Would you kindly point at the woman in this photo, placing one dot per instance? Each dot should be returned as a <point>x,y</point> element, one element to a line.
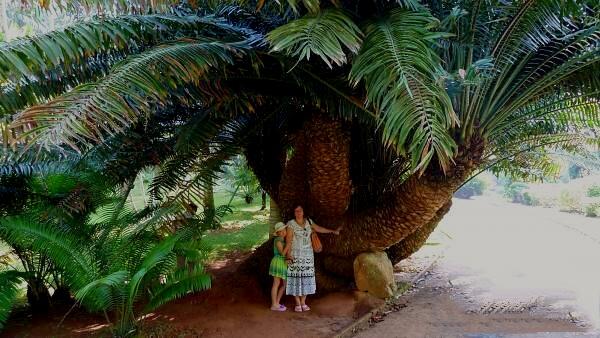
<point>301,267</point>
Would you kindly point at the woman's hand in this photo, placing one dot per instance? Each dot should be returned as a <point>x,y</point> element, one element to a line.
<point>322,230</point>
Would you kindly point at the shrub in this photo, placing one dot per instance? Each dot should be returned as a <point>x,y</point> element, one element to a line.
<point>475,187</point>
<point>514,191</point>
<point>529,199</point>
<point>591,210</point>
<point>594,191</point>
<point>547,201</point>
<point>569,202</point>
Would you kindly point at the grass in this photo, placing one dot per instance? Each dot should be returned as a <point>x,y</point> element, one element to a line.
<point>219,244</point>
<point>244,229</point>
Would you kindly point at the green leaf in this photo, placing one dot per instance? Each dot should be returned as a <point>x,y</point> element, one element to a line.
<point>323,34</point>
<point>399,67</point>
<point>91,111</point>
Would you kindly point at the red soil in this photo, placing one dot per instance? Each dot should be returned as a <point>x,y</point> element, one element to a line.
<point>234,307</point>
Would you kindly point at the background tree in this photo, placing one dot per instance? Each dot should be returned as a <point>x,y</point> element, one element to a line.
<point>241,180</point>
<point>369,114</point>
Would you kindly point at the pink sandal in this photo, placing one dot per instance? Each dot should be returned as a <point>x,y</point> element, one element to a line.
<point>298,308</point>
<point>279,308</point>
<point>305,308</point>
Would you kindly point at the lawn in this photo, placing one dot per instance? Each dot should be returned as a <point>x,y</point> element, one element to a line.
<point>242,230</point>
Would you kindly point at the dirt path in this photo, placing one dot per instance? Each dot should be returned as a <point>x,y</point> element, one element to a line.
<point>234,307</point>
<point>507,270</point>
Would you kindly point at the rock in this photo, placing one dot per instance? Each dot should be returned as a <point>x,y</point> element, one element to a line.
<point>374,273</point>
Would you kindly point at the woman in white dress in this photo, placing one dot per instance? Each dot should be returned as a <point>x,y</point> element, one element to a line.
<point>301,269</point>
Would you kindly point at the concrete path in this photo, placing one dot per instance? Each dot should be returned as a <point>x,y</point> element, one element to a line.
<point>507,271</point>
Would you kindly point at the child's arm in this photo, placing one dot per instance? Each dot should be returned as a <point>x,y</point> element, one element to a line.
<point>280,247</point>
<point>286,249</point>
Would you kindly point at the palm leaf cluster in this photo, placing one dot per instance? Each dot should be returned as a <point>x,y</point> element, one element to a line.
<point>108,255</point>
<point>183,89</point>
<point>431,76</point>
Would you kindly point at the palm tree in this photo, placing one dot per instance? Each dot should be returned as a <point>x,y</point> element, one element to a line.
<point>370,114</point>
<point>240,178</point>
<point>107,255</point>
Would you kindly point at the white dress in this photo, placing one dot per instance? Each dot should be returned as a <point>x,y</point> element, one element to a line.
<point>301,273</point>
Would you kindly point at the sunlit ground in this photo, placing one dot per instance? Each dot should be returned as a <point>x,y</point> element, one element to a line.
<point>501,251</point>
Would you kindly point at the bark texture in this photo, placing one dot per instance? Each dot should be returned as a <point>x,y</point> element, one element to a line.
<point>274,216</point>
<point>417,239</point>
<point>414,204</point>
<point>293,189</point>
<point>327,172</point>
<point>208,200</point>
<point>316,174</point>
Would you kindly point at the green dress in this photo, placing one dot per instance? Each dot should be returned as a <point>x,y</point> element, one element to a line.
<point>278,266</point>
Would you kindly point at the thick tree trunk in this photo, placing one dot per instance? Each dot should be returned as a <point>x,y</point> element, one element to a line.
<point>38,296</point>
<point>414,204</point>
<point>293,189</point>
<point>316,175</point>
<point>263,198</point>
<point>417,239</point>
<point>208,200</point>
<point>328,170</point>
<point>274,216</point>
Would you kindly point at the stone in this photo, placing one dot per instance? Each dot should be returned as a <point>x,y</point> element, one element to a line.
<point>374,273</point>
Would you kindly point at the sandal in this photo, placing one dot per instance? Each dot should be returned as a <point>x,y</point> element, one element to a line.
<point>305,308</point>
<point>282,307</point>
<point>278,308</point>
<point>298,308</point>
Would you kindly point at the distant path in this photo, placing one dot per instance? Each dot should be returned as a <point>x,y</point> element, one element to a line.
<point>508,271</point>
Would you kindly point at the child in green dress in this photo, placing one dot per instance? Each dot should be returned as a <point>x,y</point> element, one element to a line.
<point>278,267</point>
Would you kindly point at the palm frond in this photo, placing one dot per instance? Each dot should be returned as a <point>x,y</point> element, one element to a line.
<point>53,63</point>
<point>399,68</point>
<point>102,6</point>
<point>9,290</point>
<point>189,175</point>
<point>159,253</point>
<point>60,246</point>
<point>530,166</point>
<point>533,50</point>
<point>530,157</point>
<point>179,284</point>
<point>557,112</point>
<point>66,48</point>
<point>550,83</point>
<point>91,111</point>
<point>96,295</point>
<point>323,34</point>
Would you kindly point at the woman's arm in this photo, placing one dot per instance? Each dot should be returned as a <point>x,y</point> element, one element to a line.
<point>322,230</point>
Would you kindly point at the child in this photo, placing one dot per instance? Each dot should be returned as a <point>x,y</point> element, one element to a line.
<point>278,268</point>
